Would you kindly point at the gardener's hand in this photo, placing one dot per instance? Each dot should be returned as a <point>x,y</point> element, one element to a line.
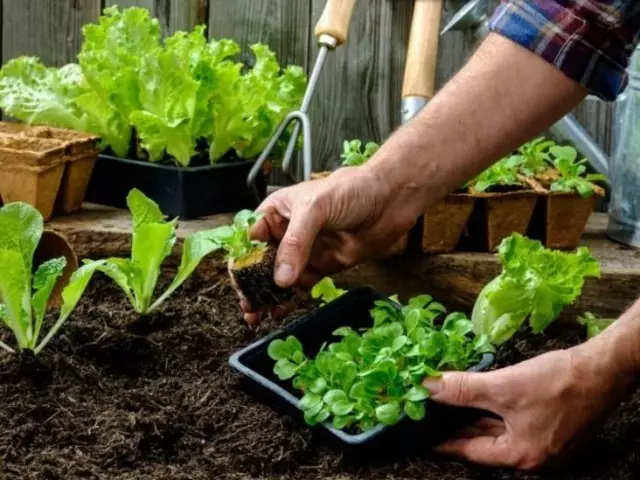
<point>545,403</point>
<point>326,225</point>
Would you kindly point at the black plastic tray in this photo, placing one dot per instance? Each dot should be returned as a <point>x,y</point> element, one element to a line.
<point>185,192</point>
<point>352,309</point>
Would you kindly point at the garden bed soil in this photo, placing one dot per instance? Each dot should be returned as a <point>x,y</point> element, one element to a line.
<point>116,397</point>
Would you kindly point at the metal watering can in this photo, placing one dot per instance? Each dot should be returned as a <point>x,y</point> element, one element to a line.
<point>624,208</point>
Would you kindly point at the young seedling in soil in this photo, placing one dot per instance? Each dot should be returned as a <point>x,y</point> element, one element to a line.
<point>326,291</point>
<point>353,155</point>
<point>536,283</point>
<point>504,175</point>
<point>372,376</point>
<point>152,241</point>
<point>251,263</point>
<point>534,156</point>
<point>594,325</point>
<point>25,295</point>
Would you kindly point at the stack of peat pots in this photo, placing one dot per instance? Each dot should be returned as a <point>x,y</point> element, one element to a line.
<point>48,168</point>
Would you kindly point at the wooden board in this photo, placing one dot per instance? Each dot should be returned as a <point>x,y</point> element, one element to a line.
<point>455,279</point>
<point>51,30</point>
<point>173,14</point>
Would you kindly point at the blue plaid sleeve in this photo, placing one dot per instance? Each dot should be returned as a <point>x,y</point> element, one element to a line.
<point>589,41</point>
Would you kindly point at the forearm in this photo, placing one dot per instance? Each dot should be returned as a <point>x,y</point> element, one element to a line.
<point>504,96</point>
<point>617,349</point>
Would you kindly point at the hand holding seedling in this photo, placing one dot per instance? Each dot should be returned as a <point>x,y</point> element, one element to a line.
<point>326,225</point>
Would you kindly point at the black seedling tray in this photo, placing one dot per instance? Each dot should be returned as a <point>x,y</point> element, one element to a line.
<point>352,309</point>
<point>185,192</point>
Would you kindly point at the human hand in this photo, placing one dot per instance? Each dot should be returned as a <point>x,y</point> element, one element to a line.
<point>329,224</point>
<point>546,404</point>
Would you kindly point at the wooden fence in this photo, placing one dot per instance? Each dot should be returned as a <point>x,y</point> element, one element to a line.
<point>359,92</point>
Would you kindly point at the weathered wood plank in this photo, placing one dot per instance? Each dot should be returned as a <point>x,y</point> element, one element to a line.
<point>358,95</point>
<point>282,24</point>
<point>49,30</point>
<point>173,14</point>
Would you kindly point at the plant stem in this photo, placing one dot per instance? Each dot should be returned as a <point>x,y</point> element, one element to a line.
<point>7,347</point>
<point>50,334</point>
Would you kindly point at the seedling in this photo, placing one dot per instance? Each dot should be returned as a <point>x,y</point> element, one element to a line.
<point>152,241</point>
<point>536,283</point>
<point>251,263</point>
<point>326,291</point>
<point>594,325</point>
<point>372,376</point>
<point>503,173</point>
<point>353,155</point>
<point>24,294</point>
<point>573,176</point>
<point>534,156</point>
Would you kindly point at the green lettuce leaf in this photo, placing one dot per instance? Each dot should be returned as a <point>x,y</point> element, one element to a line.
<point>35,94</point>
<point>44,281</point>
<point>535,284</point>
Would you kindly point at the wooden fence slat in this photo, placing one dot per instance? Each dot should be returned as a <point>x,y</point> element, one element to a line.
<point>173,14</point>
<point>358,93</point>
<point>48,29</point>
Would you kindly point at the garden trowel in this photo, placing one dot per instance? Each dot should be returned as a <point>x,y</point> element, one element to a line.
<point>54,245</point>
<point>331,31</point>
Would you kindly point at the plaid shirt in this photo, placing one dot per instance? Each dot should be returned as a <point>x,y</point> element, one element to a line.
<point>590,41</point>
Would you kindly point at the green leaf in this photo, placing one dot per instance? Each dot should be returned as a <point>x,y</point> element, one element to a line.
<point>342,407</point>
<point>326,291</point>
<point>284,369</point>
<point>417,394</point>
<point>341,422</point>
<point>334,396</point>
<point>310,401</point>
<point>343,332</point>
<point>415,410</point>
<point>143,209</point>
<point>278,350</point>
<point>71,295</point>
<point>399,343</point>
<point>388,414</point>
<point>44,281</point>
<point>318,386</point>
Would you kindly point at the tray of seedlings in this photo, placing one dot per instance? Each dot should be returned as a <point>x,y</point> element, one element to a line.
<point>189,148</point>
<point>353,369</point>
<point>48,168</point>
<point>543,190</point>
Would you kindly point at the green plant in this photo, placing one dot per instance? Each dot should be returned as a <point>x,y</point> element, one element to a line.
<point>152,241</point>
<point>24,294</point>
<point>234,239</point>
<point>594,325</point>
<point>502,173</point>
<point>535,284</point>
<point>572,172</point>
<point>373,375</point>
<point>534,156</point>
<point>181,95</point>
<point>326,291</point>
<point>353,154</point>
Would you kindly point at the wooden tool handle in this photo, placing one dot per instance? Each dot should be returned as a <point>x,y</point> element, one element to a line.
<point>335,20</point>
<point>422,53</point>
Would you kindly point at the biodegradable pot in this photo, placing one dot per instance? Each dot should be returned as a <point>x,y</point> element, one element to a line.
<point>253,276</point>
<point>313,330</point>
<point>54,245</point>
<point>496,216</point>
<point>560,218</point>
<point>185,192</point>
<point>444,223</point>
<point>31,171</point>
<point>75,182</point>
<point>400,247</point>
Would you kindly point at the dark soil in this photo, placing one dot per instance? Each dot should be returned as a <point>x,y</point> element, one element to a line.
<point>114,397</point>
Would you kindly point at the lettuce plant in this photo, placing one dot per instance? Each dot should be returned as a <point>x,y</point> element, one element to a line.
<point>534,156</point>
<point>24,294</point>
<point>353,154</point>
<point>326,291</point>
<point>234,239</point>
<point>536,283</point>
<point>501,174</point>
<point>152,241</point>
<point>573,176</point>
<point>374,375</point>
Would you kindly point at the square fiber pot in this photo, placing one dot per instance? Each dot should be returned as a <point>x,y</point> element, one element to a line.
<point>351,309</point>
<point>560,218</point>
<point>444,223</point>
<point>498,215</point>
<point>185,192</point>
